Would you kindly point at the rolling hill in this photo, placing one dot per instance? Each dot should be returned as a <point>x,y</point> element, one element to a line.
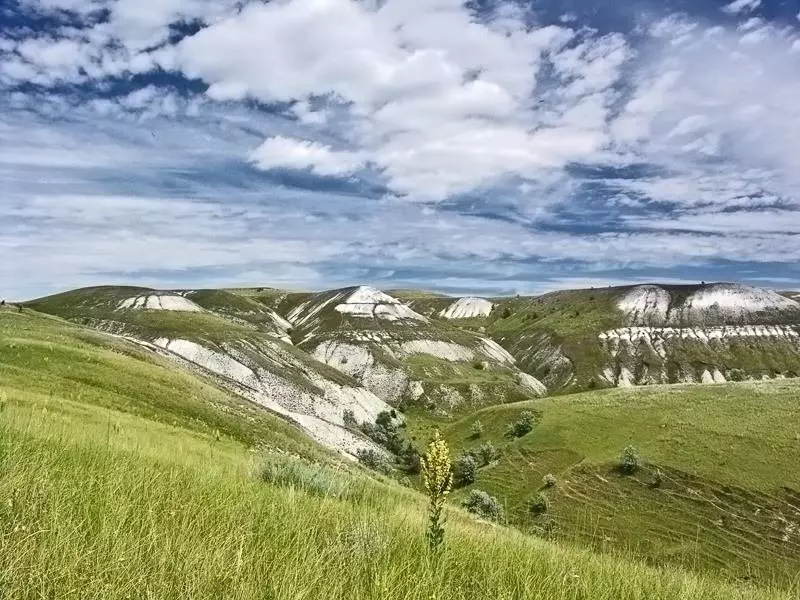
<point>123,474</point>
<point>716,488</point>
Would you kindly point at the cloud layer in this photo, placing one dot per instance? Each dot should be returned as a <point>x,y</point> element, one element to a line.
<point>319,142</point>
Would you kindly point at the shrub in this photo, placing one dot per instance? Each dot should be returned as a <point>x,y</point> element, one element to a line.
<point>476,430</point>
<point>372,459</point>
<point>737,375</point>
<point>629,461</point>
<point>522,426</point>
<point>539,504</point>
<point>658,479</point>
<point>506,313</point>
<point>549,480</point>
<point>486,453</point>
<point>465,470</point>
<point>437,479</point>
<point>483,505</point>
<point>388,433</point>
<point>298,474</point>
<point>349,418</point>
<point>478,366</point>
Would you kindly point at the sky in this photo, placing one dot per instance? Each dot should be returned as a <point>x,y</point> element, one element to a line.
<point>486,147</point>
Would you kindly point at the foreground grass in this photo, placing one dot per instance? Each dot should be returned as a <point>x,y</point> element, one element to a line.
<point>728,497</point>
<point>87,515</point>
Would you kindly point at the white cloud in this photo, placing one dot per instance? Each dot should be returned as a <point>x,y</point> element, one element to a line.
<point>437,101</point>
<point>282,152</point>
<point>741,6</point>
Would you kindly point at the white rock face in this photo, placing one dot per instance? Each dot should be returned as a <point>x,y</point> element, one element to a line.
<point>368,302</point>
<point>159,302</point>
<point>465,308</point>
<point>358,362</point>
<point>645,304</point>
<point>439,349</point>
<point>532,384</point>
<point>626,343</point>
<point>719,303</point>
<point>735,301</point>
<point>652,335</point>
<point>496,352</point>
<point>320,414</point>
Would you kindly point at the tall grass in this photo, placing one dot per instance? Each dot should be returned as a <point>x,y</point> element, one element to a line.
<point>84,516</point>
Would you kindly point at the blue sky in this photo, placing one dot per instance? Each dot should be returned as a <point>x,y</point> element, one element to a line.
<point>486,147</point>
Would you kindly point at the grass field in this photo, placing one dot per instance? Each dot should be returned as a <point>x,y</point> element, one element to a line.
<point>728,455</point>
<point>123,477</point>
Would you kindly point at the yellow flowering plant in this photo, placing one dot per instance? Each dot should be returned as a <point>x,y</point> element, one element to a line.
<point>437,478</point>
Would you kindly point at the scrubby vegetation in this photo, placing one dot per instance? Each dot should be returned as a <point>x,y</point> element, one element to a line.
<point>483,505</point>
<point>521,426</point>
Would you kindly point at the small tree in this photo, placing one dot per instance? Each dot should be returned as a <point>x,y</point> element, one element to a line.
<point>476,430</point>
<point>482,504</point>
<point>349,418</point>
<point>486,453</point>
<point>522,426</point>
<point>438,480</point>
<point>465,470</point>
<point>372,459</point>
<point>549,480</point>
<point>539,504</point>
<point>629,461</point>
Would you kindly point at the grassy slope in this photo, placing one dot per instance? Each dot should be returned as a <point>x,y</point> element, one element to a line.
<point>45,359</point>
<point>729,454</point>
<point>495,384</point>
<point>106,494</point>
<point>95,307</point>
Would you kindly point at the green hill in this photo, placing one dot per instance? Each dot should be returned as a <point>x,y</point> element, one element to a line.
<point>233,376</point>
<point>123,476</point>
<point>718,487</point>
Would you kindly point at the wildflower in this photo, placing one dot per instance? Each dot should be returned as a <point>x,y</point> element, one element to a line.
<point>438,481</point>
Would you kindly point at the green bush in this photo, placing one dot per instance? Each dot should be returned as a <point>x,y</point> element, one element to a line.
<point>737,375</point>
<point>486,453</point>
<point>549,480</point>
<point>388,432</point>
<point>483,505</point>
<point>465,469</point>
<point>522,426</point>
<point>629,460</point>
<point>372,459</point>
<point>539,504</point>
<point>349,418</point>
<point>476,430</point>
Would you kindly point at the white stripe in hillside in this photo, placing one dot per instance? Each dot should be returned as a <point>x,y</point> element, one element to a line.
<point>465,308</point>
<point>368,302</point>
<point>159,302</point>
<point>321,415</point>
<point>439,349</point>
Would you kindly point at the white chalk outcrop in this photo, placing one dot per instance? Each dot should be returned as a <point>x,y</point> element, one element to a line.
<point>466,308</point>
<point>320,414</point>
<point>638,347</point>
<point>645,304</point>
<point>437,348</point>
<point>369,302</point>
<point>358,361</point>
<point>159,302</point>
<point>714,304</point>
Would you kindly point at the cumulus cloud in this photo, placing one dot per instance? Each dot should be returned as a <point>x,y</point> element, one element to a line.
<point>282,152</point>
<point>438,100</point>
<point>495,133</point>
